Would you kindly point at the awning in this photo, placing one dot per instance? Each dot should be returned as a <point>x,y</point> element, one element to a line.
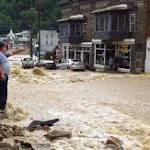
<point>129,41</point>
<point>110,8</point>
<point>95,41</point>
<point>74,17</point>
<point>86,44</point>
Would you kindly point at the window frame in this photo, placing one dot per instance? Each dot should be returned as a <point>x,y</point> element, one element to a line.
<point>98,27</point>
<point>64,29</point>
<point>132,22</point>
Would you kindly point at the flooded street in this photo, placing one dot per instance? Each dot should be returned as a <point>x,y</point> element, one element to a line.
<point>127,95</point>
<point>92,105</point>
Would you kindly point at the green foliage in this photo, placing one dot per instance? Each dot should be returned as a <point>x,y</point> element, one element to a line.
<point>24,14</point>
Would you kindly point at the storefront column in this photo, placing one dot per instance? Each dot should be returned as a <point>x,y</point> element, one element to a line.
<point>75,54</point>
<point>82,56</point>
<point>104,55</point>
<point>67,53</point>
<point>94,45</point>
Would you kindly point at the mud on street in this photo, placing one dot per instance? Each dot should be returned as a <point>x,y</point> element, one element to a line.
<point>93,106</point>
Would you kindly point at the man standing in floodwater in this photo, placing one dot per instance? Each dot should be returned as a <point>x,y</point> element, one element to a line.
<point>4,74</point>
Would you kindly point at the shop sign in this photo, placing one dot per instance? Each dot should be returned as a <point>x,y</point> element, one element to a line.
<point>124,48</point>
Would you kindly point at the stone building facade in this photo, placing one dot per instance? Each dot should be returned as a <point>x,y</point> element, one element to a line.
<point>147,57</point>
<point>102,30</point>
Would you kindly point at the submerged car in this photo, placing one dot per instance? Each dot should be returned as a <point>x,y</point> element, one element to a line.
<point>71,64</point>
<point>27,62</point>
<point>48,64</point>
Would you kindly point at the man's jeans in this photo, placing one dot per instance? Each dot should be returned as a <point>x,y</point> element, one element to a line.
<point>3,92</point>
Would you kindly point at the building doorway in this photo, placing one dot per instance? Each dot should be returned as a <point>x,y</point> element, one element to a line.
<point>86,58</point>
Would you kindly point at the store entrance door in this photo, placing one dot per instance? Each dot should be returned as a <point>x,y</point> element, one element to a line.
<point>86,58</point>
<point>111,51</point>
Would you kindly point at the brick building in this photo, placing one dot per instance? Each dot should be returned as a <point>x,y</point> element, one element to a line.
<point>147,60</point>
<point>97,30</point>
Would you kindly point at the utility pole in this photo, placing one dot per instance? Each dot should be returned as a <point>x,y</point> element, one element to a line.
<point>31,37</point>
<point>39,27</point>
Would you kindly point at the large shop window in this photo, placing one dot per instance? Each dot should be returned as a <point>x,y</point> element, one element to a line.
<point>100,54</point>
<point>86,58</point>
<point>65,55</point>
<point>71,54</point>
<point>125,56</point>
<point>78,56</point>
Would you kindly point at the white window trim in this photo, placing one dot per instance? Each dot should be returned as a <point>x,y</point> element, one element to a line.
<point>132,22</point>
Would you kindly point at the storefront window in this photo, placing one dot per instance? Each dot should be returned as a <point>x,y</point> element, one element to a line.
<point>97,45</point>
<point>100,57</point>
<point>120,53</point>
<point>86,57</point>
<point>124,56</point>
<point>65,55</point>
<point>124,60</point>
<point>78,55</point>
<point>71,54</point>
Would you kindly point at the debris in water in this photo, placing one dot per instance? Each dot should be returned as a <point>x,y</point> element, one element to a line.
<point>24,145</point>
<point>8,131</point>
<point>7,146</point>
<point>57,134</point>
<point>115,143</point>
<point>36,123</point>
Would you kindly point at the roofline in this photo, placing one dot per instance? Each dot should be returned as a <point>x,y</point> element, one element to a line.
<point>111,8</point>
<point>71,18</point>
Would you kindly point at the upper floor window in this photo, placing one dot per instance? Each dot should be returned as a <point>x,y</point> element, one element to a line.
<point>64,29</point>
<point>119,23</point>
<point>52,43</point>
<point>132,22</point>
<point>102,23</point>
<point>77,29</point>
<point>46,42</point>
<point>111,22</point>
<point>46,36</point>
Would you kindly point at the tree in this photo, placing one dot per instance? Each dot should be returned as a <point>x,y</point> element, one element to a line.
<point>29,18</point>
<point>24,14</point>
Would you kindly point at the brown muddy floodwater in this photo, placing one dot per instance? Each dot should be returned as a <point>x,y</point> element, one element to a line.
<point>92,105</point>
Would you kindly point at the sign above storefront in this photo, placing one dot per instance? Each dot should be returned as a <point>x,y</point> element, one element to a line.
<point>124,48</point>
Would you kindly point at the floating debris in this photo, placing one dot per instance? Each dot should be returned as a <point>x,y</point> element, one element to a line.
<point>58,134</point>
